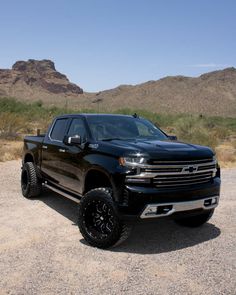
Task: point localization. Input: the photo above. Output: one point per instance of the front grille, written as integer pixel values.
(184, 179)
(182, 173)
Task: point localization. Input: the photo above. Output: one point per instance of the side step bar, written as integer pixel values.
(64, 194)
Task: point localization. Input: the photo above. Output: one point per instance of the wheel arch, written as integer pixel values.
(95, 178)
(28, 157)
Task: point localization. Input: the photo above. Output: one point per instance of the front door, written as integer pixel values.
(72, 159)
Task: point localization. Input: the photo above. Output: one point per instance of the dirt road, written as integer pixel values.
(42, 251)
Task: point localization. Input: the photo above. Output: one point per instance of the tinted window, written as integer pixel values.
(77, 128)
(59, 129)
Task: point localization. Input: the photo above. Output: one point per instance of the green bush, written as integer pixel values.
(17, 117)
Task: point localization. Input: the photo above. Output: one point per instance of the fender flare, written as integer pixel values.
(108, 175)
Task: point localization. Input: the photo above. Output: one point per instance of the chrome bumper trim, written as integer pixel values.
(167, 209)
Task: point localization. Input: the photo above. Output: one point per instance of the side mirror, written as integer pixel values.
(172, 137)
(72, 140)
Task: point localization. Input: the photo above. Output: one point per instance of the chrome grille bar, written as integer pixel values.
(186, 176)
(176, 165)
(184, 162)
(180, 180)
(181, 184)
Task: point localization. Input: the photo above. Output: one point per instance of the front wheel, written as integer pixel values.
(98, 221)
(195, 221)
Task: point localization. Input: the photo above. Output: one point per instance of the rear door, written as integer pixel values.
(53, 150)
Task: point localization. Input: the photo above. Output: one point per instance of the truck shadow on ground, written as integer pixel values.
(166, 236)
(146, 238)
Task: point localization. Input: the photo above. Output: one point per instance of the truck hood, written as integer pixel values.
(158, 149)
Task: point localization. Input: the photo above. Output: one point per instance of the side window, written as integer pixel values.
(77, 128)
(59, 129)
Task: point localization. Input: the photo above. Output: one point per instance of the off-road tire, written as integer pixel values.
(119, 231)
(195, 221)
(31, 184)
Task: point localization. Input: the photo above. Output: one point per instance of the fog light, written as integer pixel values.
(151, 210)
(214, 201)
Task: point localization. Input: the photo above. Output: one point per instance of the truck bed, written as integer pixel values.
(34, 145)
(35, 138)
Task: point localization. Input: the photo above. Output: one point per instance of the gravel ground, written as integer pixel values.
(42, 251)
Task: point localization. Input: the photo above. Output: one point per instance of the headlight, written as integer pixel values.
(214, 159)
(132, 161)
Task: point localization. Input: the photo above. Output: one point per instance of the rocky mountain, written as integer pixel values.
(213, 93)
(34, 79)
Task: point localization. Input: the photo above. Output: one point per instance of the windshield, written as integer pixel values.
(123, 127)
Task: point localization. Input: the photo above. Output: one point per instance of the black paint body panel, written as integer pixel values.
(70, 168)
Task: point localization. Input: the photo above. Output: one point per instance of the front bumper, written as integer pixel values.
(167, 209)
(138, 198)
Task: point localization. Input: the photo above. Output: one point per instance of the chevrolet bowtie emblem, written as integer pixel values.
(190, 169)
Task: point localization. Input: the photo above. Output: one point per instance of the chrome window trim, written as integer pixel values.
(51, 129)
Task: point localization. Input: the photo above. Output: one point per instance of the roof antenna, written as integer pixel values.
(135, 115)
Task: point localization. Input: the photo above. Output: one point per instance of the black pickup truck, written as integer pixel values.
(121, 169)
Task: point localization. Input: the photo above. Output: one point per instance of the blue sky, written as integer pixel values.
(101, 44)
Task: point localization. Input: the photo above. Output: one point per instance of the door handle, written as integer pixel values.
(62, 150)
(45, 147)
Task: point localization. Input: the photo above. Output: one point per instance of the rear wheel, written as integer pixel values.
(31, 185)
(195, 221)
(98, 221)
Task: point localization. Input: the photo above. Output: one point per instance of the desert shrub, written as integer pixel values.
(200, 131)
(11, 125)
(38, 103)
(18, 117)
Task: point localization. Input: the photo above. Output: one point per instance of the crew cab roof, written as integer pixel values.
(90, 115)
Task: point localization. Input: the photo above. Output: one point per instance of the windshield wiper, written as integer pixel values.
(110, 139)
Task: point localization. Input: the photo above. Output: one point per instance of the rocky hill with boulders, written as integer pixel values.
(35, 79)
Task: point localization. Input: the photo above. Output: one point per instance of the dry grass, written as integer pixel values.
(10, 150)
(226, 154)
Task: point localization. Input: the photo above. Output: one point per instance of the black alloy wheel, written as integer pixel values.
(98, 220)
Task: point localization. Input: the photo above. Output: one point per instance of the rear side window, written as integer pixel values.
(59, 129)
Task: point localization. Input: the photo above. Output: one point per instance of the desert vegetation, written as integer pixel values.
(18, 118)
